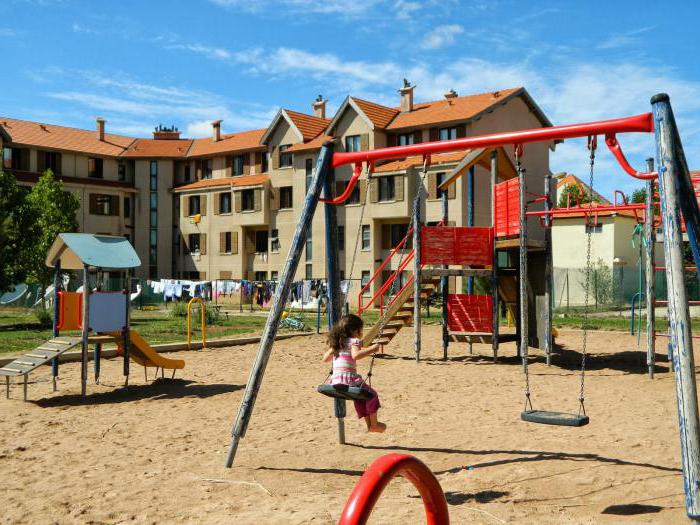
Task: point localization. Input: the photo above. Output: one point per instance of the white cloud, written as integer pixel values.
(625, 39)
(6, 31)
(339, 7)
(79, 28)
(442, 36)
(215, 53)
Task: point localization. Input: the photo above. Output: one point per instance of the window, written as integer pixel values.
(309, 249)
(261, 276)
(439, 179)
(274, 241)
(154, 175)
(7, 158)
(365, 237)
(353, 143)
(102, 204)
(238, 163)
(195, 205)
(15, 159)
(286, 198)
(153, 225)
(309, 272)
(355, 194)
(406, 139)
(594, 228)
(52, 161)
(224, 202)
(121, 172)
(386, 189)
(194, 245)
(127, 207)
(261, 241)
(248, 200)
(309, 165)
(227, 242)
(286, 159)
(207, 168)
(448, 133)
(263, 165)
(397, 234)
(274, 276)
(95, 168)
(365, 278)
(341, 237)
(188, 173)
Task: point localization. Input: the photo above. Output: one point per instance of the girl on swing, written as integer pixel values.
(345, 349)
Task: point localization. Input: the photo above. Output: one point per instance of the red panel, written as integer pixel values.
(457, 246)
(469, 313)
(507, 208)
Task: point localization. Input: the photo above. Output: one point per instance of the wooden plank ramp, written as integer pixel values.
(41, 355)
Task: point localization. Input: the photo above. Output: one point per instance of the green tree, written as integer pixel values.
(15, 232)
(639, 195)
(578, 196)
(53, 211)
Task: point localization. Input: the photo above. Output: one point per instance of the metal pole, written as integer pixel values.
(416, 267)
(127, 329)
(279, 300)
(85, 329)
(494, 266)
(548, 269)
(470, 222)
(650, 235)
(674, 181)
(333, 281)
(524, 340)
(56, 312)
(444, 285)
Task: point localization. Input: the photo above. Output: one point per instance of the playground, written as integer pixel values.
(154, 453)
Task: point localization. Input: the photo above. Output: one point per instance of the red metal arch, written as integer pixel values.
(378, 475)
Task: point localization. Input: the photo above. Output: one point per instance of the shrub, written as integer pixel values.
(43, 315)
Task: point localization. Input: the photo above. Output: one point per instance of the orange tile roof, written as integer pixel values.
(249, 180)
(436, 160)
(309, 125)
(229, 143)
(442, 111)
(155, 148)
(570, 178)
(380, 115)
(312, 144)
(36, 134)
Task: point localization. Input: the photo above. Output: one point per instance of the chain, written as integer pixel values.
(581, 397)
(519, 170)
(359, 227)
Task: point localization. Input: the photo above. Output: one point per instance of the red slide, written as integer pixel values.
(378, 475)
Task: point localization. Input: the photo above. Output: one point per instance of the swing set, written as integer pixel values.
(676, 196)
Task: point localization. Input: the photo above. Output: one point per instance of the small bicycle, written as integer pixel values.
(293, 322)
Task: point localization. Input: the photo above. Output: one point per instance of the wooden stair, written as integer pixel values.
(399, 314)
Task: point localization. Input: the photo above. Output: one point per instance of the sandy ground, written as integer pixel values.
(154, 453)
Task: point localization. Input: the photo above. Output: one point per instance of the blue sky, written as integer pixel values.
(143, 63)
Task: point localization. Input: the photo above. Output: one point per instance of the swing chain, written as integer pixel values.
(518, 150)
(592, 143)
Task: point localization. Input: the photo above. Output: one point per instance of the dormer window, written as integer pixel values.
(406, 139)
(448, 133)
(353, 143)
(286, 159)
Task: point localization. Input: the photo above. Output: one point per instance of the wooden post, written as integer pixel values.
(548, 269)
(523, 279)
(57, 283)
(416, 268)
(494, 268)
(676, 193)
(444, 285)
(86, 328)
(650, 236)
(333, 281)
(279, 300)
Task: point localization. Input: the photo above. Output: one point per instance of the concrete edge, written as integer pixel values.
(73, 356)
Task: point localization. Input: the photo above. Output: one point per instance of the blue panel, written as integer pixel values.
(107, 311)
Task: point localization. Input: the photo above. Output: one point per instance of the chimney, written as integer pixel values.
(451, 94)
(216, 130)
(166, 133)
(100, 129)
(319, 107)
(406, 96)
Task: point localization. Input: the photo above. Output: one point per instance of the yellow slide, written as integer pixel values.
(142, 353)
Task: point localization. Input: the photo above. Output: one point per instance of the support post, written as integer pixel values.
(548, 269)
(416, 268)
(650, 236)
(444, 286)
(56, 312)
(333, 280)
(523, 279)
(86, 328)
(97, 352)
(470, 222)
(676, 193)
(127, 328)
(494, 267)
(279, 300)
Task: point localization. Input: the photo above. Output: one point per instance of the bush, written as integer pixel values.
(44, 316)
(179, 309)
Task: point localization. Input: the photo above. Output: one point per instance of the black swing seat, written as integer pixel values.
(349, 393)
(561, 419)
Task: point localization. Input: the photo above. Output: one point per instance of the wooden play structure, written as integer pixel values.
(676, 196)
(100, 316)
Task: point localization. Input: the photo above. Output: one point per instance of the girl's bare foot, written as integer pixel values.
(378, 427)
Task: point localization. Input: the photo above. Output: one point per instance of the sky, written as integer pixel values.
(142, 63)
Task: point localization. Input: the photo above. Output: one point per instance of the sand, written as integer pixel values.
(154, 453)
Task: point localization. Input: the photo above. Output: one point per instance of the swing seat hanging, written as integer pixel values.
(561, 419)
(349, 393)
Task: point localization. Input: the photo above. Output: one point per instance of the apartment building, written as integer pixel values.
(226, 206)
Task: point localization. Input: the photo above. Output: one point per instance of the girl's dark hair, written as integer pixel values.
(342, 330)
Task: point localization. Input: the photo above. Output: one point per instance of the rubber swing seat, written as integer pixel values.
(349, 393)
(561, 419)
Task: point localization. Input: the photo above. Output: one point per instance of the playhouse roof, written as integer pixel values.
(75, 250)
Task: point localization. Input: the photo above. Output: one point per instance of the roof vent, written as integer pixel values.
(166, 133)
(496, 94)
(451, 94)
